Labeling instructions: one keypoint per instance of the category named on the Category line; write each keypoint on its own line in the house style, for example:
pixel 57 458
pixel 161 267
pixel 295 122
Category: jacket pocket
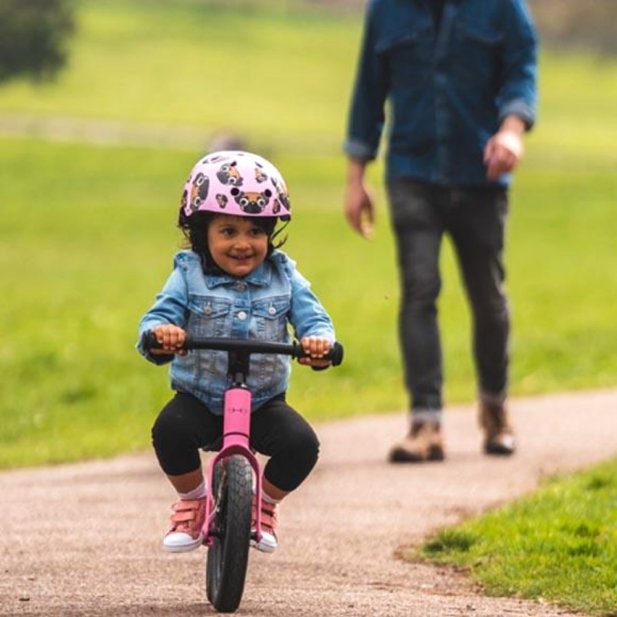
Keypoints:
pixel 480 57
pixel 396 41
pixel 487 38
pixel 208 316
pixel 406 54
pixel 270 318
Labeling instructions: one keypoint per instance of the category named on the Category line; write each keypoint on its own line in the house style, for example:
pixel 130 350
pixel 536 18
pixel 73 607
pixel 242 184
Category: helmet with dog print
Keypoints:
pixel 236 183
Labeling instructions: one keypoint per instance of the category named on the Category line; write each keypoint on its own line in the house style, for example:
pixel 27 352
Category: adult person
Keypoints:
pixel 460 80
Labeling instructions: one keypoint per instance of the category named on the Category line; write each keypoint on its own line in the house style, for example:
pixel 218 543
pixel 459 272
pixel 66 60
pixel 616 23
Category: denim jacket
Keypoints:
pixel 448 90
pixel 258 306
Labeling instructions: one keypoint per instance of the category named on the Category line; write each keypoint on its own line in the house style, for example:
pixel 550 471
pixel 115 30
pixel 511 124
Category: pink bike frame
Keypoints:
pixel 236 432
pixel 237 408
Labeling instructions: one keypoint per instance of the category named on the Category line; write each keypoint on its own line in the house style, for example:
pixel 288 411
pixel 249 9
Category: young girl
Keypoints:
pixel 232 283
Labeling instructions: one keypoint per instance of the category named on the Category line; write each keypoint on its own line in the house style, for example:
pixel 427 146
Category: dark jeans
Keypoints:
pixel 185 425
pixel 475 221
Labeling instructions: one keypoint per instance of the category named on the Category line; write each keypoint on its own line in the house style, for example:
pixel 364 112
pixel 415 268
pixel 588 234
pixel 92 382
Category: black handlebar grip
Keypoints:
pixel 149 340
pixel 336 354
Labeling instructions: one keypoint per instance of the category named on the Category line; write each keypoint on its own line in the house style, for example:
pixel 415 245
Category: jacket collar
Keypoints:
pixel 260 277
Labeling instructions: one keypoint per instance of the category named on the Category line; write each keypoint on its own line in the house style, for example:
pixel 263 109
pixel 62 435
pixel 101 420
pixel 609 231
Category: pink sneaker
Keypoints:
pixel 268 542
pixel 187 521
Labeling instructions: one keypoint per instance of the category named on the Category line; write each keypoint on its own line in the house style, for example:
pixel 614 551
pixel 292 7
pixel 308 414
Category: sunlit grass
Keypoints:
pixel 88 232
pixel 88 237
pixel 558 545
pixel 263 73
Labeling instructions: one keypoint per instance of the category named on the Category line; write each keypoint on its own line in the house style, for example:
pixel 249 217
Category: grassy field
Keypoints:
pixel 88 237
pixel 185 63
pixel 559 545
pixel 88 231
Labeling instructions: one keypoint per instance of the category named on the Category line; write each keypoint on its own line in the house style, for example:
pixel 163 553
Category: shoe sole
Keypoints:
pixel 403 456
pixel 262 548
pixel 185 548
pixel 495 450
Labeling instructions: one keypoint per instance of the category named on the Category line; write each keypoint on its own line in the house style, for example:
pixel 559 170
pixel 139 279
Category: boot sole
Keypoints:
pixel 497 450
pixel 399 455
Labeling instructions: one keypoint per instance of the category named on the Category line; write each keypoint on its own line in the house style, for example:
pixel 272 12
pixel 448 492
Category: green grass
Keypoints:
pixel 271 74
pixel 87 237
pixel 559 545
pixel 88 231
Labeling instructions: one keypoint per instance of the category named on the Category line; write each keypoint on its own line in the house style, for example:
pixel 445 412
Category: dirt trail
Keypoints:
pixel 83 540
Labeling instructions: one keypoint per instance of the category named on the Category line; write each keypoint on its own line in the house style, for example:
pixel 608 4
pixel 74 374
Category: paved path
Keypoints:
pixel 83 540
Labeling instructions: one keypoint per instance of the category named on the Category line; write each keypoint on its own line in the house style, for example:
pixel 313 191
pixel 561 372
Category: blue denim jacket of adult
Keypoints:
pixel 260 305
pixel 448 90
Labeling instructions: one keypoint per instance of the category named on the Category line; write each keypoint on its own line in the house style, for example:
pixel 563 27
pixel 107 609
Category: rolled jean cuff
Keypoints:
pixel 426 415
pixel 493 398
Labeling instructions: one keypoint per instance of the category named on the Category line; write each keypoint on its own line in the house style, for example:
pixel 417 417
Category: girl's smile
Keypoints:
pixel 237 245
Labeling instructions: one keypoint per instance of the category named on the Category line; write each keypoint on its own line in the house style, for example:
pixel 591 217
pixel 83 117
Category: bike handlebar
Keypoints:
pixel 295 350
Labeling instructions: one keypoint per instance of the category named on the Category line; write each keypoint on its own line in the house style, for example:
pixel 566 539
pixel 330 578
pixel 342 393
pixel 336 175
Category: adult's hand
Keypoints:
pixel 505 149
pixel 359 205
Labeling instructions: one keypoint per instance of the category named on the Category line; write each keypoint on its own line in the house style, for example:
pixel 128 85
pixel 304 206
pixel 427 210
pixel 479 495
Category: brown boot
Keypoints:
pixel 498 433
pixel 424 443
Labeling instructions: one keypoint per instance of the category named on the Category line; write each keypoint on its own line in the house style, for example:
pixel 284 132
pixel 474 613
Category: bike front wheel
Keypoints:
pixel 228 554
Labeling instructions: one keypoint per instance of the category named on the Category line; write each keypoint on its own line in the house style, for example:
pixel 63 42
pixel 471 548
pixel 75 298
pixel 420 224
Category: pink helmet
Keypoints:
pixel 236 183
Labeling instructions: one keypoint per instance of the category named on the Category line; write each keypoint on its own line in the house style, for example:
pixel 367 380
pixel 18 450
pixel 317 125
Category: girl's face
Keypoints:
pixel 236 244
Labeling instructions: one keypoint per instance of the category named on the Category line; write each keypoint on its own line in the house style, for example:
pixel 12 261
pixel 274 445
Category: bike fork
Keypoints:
pixel 236 431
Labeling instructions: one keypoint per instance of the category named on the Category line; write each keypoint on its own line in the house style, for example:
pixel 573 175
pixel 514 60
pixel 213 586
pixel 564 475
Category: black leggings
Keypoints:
pixel 185 425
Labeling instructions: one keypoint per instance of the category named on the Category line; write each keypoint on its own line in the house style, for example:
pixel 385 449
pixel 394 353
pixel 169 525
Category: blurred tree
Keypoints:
pixel 572 23
pixel 33 35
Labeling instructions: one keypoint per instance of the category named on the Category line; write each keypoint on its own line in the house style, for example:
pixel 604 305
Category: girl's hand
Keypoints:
pixel 171 338
pixel 317 348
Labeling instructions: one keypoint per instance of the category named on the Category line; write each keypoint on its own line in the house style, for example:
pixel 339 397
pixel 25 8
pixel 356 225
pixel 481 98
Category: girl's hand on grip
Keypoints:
pixel 316 348
pixel 171 338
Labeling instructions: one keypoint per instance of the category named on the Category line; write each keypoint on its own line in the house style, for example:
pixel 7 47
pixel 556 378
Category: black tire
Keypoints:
pixel 228 554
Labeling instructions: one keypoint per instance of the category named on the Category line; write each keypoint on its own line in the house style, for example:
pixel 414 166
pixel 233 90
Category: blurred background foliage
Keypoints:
pixel 590 25
pixel 33 37
pixel 34 34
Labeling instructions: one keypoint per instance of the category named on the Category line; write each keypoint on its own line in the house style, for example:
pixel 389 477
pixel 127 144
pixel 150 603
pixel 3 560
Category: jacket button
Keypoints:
pixel 242 315
pixel 271 310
